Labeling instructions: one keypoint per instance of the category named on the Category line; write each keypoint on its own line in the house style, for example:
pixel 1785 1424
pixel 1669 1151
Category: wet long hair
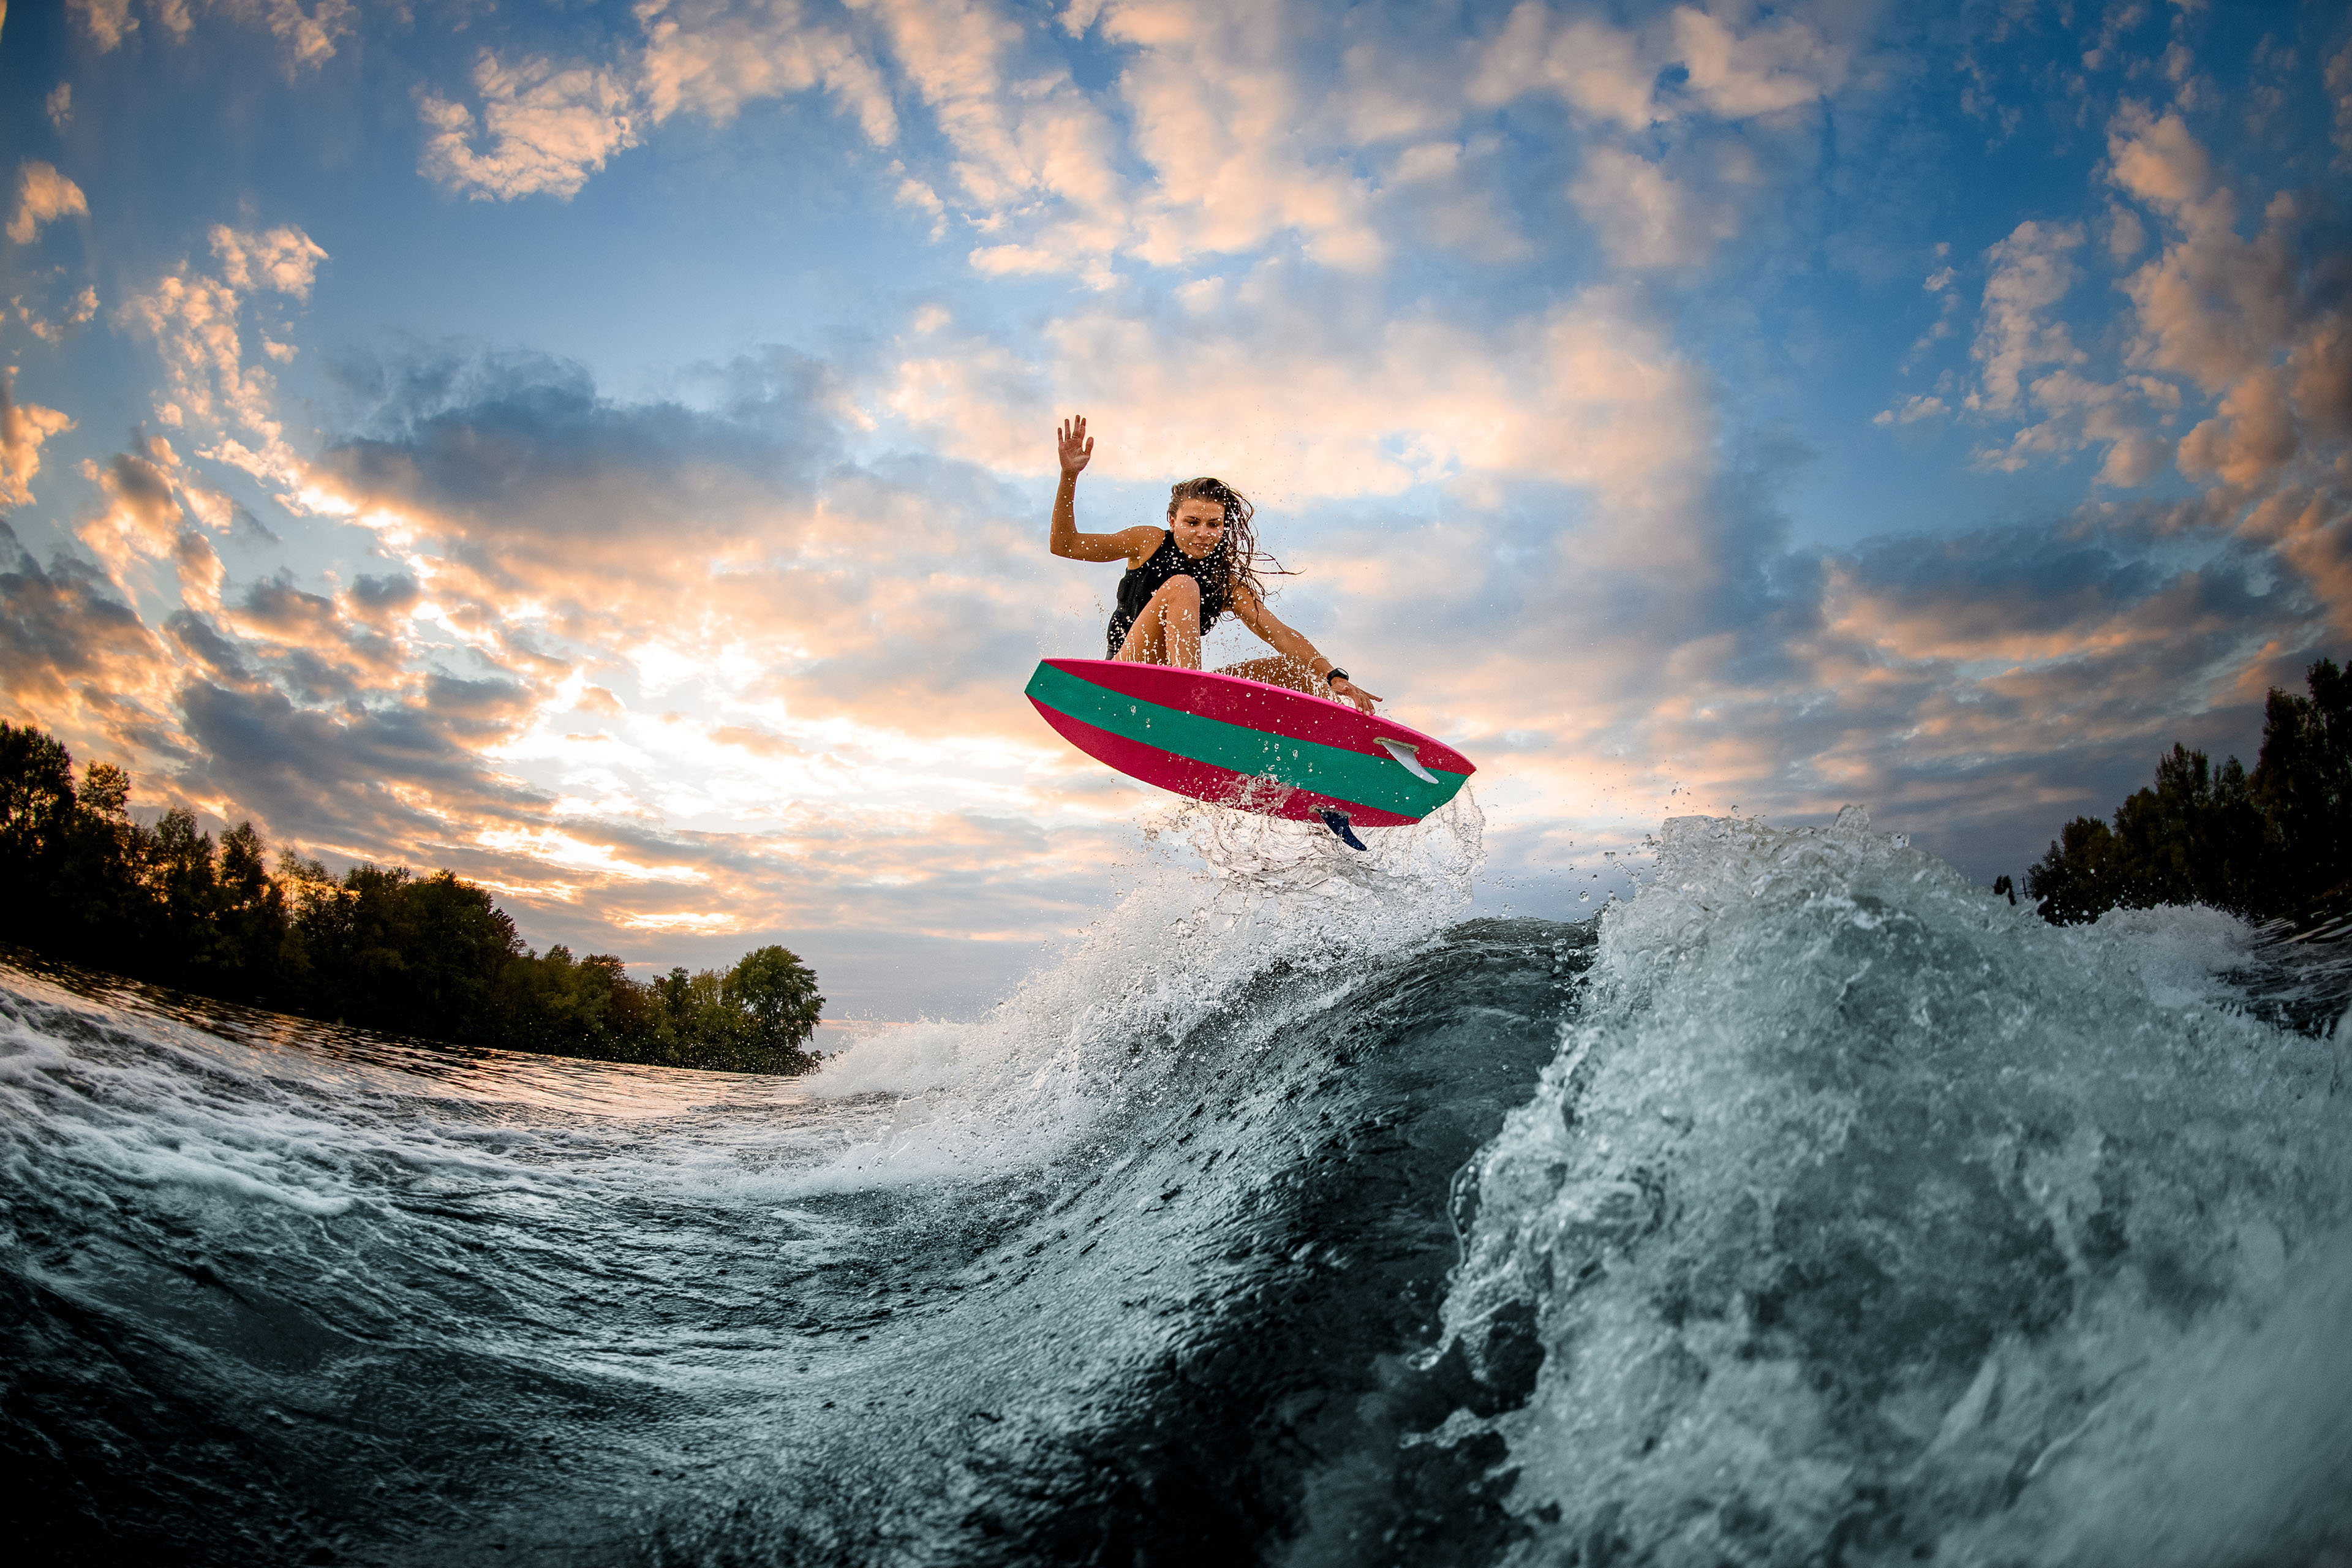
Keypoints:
pixel 1238 549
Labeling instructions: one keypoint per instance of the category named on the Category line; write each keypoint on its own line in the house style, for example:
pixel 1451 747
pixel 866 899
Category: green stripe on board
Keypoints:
pixel 1380 782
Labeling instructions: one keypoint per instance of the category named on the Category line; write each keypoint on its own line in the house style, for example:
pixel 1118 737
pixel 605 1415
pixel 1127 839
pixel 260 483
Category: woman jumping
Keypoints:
pixel 1180 579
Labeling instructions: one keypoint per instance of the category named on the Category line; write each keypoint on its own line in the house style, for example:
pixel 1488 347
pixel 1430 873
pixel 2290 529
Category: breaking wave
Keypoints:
pixel 1808 1205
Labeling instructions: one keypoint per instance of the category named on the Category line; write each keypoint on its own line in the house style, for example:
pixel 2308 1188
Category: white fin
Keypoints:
pixel 1409 757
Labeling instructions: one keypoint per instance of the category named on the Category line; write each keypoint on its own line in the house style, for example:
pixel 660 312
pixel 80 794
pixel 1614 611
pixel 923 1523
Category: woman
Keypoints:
pixel 1180 579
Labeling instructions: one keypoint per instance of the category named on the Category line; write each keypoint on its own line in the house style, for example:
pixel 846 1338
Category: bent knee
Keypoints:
pixel 1180 591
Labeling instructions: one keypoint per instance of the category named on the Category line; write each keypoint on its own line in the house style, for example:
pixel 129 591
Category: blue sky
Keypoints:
pixel 606 448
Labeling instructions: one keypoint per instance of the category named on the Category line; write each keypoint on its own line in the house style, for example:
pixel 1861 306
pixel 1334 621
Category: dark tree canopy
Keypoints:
pixel 432 957
pixel 2272 845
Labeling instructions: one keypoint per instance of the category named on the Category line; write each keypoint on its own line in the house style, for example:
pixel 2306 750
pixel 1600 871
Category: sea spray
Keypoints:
pixel 1863 1213
pixel 1222 899
pixel 1837 1212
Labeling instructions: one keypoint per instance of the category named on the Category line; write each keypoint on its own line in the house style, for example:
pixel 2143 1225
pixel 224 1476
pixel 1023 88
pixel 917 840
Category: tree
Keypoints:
pixel 252 911
pixel 2276 844
pixel 2078 880
pixel 37 809
pixel 2302 784
pixel 2195 838
pixel 779 991
pixel 418 956
pixel 378 947
pixel 100 904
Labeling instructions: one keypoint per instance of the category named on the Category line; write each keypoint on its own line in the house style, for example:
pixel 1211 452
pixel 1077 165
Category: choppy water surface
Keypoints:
pixel 1811 1206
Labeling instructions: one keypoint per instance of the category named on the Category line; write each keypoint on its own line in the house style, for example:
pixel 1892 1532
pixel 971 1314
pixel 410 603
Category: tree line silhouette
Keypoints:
pixel 2275 844
pixel 384 949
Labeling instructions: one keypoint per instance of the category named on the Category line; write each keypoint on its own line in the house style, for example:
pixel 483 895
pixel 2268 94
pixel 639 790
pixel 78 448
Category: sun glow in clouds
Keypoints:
pixel 599 518
pixel 552 847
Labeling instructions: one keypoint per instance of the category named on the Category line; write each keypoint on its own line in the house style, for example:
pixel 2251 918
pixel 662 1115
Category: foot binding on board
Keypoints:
pixel 1337 821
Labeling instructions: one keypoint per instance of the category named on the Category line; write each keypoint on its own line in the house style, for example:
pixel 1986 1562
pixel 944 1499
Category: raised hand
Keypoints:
pixel 1078 446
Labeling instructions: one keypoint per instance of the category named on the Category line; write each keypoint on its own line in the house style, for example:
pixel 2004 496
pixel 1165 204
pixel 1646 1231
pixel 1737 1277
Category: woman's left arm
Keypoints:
pixel 1251 611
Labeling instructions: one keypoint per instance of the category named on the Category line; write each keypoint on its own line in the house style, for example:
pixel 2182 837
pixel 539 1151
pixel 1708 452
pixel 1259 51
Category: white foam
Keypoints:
pixel 1220 898
pixel 1857 1193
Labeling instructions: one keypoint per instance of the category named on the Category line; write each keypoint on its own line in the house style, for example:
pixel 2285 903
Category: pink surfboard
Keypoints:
pixel 1249 746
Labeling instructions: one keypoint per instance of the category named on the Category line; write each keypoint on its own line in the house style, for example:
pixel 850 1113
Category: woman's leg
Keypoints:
pixel 1169 630
pixel 1278 669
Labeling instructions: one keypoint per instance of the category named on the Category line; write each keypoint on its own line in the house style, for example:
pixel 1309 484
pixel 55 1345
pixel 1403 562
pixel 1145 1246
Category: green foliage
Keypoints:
pixel 2304 783
pixel 776 994
pixel 2270 846
pixel 380 947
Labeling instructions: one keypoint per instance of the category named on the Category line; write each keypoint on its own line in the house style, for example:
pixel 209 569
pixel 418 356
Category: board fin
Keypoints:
pixel 1408 757
pixel 1337 821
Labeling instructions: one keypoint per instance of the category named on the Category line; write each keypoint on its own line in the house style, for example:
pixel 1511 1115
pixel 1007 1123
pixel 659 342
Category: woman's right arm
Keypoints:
pixel 1078 449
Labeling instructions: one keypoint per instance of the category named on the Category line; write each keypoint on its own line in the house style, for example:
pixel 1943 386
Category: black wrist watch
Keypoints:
pixel 1334 673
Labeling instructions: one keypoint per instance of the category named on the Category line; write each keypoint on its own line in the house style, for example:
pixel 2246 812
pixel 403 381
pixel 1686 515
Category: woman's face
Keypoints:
pixel 1199 526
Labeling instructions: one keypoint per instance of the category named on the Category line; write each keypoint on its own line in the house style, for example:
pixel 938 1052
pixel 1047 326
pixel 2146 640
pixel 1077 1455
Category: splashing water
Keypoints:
pixel 1860 1212
pixel 1808 1206
pixel 1399 873
pixel 1228 899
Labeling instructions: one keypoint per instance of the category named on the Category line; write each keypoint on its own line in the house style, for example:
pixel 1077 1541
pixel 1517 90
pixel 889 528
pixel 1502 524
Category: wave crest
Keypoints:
pixel 1861 1208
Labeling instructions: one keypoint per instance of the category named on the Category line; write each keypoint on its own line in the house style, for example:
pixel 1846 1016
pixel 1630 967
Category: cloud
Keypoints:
pixel 1021 138
pixel 1586 394
pixel 1602 72
pixel 1772 66
pixel 77 311
pixel 711 58
pixel 59 106
pixel 2338 77
pixel 914 193
pixel 307 36
pixel 284 261
pixel 192 318
pixel 1220 114
pixel 22 427
pixel 2249 322
pixel 142 512
pixel 596 699
pixel 2260 323
pixel 2031 271
pixel 1222 133
pixel 432 715
pixel 520 501
pixel 512 454
pixel 2127 416
pixel 1733 66
pixel 1659 178
pixel 549 127
pixel 362 776
pixel 148 529
pixel 43 195
pixel 2211 306
pixel 74 654
pixel 1914 409
pixel 1646 218
pixel 1446 193
pixel 2246 329
pixel 1978 687
pixel 108 22
pixel 1210 94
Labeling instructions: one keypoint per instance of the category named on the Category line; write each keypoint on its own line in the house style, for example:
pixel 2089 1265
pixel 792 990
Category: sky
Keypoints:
pixel 606 449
